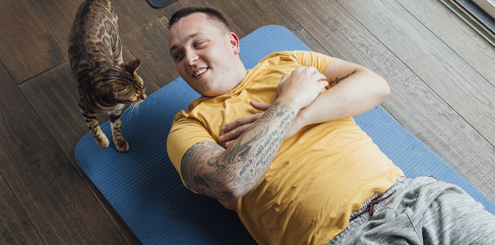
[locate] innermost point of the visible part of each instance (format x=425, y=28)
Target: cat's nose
x=143, y=96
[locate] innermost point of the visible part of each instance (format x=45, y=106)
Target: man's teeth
x=200, y=72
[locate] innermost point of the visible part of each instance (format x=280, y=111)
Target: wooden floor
x=441, y=74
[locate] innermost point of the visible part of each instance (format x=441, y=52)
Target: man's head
x=205, y=51
x=211, y=13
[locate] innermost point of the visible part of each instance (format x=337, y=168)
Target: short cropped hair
x=211, y=13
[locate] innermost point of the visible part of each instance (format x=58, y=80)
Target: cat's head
x=121, y=84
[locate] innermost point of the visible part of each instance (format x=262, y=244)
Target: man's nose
x=191, y=58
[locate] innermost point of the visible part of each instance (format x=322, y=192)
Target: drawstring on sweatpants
x=371, y=206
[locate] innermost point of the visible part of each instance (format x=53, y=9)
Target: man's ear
x=115, y=88
x=131, y=66
x=234, y=42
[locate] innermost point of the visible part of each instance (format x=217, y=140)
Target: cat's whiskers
x=133, y=110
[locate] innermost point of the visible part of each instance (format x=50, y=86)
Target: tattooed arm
x=229, y=174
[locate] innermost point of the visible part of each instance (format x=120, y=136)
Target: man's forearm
x=350, y=95
x=254, y=150
x=235, y=172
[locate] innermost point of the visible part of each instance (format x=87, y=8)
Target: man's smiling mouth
x=198, y=73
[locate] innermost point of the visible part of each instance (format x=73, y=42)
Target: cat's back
x=90, y=38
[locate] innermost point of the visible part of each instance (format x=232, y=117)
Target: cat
x=105, y=82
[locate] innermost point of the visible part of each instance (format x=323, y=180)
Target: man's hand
x=237, y=127
x=302, y=87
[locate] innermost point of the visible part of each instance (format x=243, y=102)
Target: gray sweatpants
x=423, y=211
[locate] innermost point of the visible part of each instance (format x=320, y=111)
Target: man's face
x=203, y=54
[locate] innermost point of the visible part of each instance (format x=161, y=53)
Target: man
x=278, y=145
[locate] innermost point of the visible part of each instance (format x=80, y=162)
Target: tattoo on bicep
x=337, y=79
x=194, y=167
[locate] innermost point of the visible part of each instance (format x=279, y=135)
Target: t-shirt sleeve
x=185, y=133
x=320, y=61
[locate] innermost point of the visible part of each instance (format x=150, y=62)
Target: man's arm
x=352, y=90
x=229, y=174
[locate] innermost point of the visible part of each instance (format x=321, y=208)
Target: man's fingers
x=323, y=83
x=237, y=127
x=260, y=105
x=235, y=133
x=283, y=79
x=312, y=69
x=241, y=121
x=317, y=74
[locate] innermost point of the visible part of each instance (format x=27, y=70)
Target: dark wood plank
x=149, y=84
x=52, y=194
x=170, y=9
x=149, y=44
x=26, y=49
x=412, y=102
x=53, y=95
x=456, y=33
x=134, y=14
x=57, y=16
x=15, y=227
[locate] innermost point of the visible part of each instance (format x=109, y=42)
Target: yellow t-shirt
x=317, y=179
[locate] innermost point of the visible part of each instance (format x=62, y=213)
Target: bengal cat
x=105, y=82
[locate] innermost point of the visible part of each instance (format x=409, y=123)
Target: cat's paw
x=103, y=143
x=121, y=145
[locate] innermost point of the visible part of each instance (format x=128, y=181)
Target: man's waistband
x=372, y=205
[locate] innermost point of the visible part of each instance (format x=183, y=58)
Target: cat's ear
x=131, y=66
x=115, y=88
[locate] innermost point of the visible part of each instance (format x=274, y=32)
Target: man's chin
x=212, y=92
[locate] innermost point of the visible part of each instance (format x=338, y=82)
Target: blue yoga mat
x=145, y=189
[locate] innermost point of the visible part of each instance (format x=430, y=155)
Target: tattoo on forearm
x=234, y=173
x=337, y=79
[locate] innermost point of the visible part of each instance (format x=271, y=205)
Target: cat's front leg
x=94, y=128
x=116, y=122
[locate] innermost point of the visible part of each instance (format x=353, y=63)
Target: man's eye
x=197, y=44
x=177, y=56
